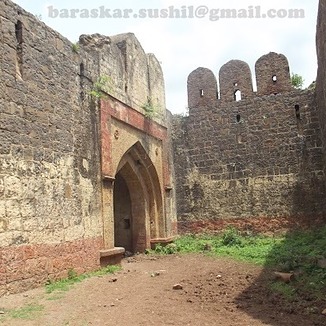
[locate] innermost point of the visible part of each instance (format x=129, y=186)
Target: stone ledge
x=161, y=241
x=112, y=256
x=108, y=178
x=112, y=252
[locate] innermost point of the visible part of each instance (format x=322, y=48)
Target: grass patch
x=54, y=297
x=298, y=252
x=231, y=243
x=65, y=284
x=286, y=290
x=27, y=312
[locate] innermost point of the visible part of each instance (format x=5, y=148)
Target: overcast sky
x=183, y=44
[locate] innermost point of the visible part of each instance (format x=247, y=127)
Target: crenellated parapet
x=252, y=154
x=235, y=81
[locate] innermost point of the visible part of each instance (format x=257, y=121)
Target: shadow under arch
x=138, y=203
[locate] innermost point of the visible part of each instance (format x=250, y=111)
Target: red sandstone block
x=15, y=275
x=91, y=262
x=14, y=265
x=57, y=264
x=46, y=251
x=30, y=268
x=29, y=252
x=136, y=120
x=48, y=263
x=2, y=265
x=35, y=267
x=20, y=286
x=2, y=278
x=59, y=250
x=39, y=268
x=48, y=266
x=77, y=261
x=13, y=254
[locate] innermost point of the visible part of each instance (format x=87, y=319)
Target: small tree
x=297, y=81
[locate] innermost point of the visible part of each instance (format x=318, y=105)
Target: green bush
x=231, y=237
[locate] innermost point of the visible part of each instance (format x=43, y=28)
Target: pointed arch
x=146, y=214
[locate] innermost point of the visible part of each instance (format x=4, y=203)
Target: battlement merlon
x=235, y=81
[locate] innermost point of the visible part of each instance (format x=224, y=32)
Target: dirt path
x=215, y=292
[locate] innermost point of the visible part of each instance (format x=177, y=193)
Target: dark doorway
x=122, y=214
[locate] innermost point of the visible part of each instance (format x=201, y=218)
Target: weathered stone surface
x=321, y=73
x=202, y=88
x=235, y=76
x=56, y=212
x=272, y=74
x=260, y=156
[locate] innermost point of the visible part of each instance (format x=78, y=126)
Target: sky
x=183, y=44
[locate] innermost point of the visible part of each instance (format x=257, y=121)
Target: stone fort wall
x=55, y=145
x=242, y=153
x=321, y=73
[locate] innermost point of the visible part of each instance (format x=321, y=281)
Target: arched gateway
x=137, y=201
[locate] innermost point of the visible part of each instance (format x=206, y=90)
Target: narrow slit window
x=19, y=49
x=81, y=80
x=297, y=111
x=237, y=95
x=274, y=78
x=238, y=117
x=201, y=93
x=82, y=69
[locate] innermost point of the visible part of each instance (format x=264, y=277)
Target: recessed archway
x=138, y=208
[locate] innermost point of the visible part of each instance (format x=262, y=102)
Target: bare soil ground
x=214, y=292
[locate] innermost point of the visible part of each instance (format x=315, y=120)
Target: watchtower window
x=235, y=84
x=238, y=117
x=274, y=79
x=201, y=93
x=237, y=95
x=297, y=111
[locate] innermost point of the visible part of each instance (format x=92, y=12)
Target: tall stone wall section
x=49, y=157
x=321, y=73
x=50, y=150
x=258, y=156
